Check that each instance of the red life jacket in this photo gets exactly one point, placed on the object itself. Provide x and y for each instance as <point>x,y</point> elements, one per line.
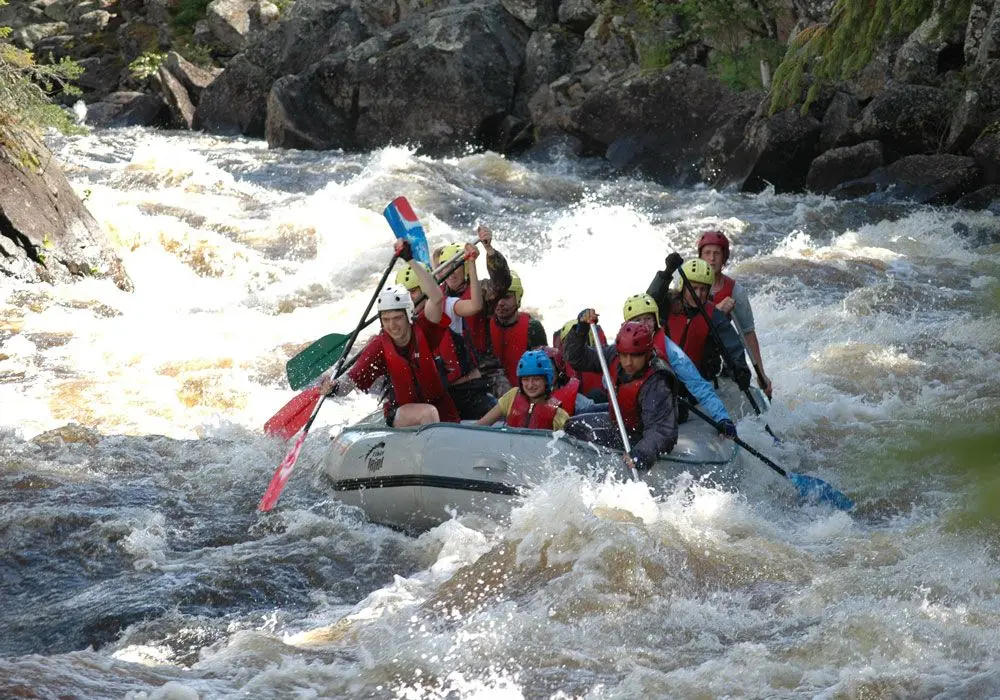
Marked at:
<point>660,344</point>
<point>588,380</point>
<point>509,343</point>
<point>567,395</point>
<point>537,416</point>
<point>448,350</point>
<point>473,327</point>
<point>690,332</point>
<point>628,396</point>
<point>725,291</point>
<point>416,379</point>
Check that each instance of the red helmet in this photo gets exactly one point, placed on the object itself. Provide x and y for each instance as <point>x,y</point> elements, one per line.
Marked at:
<point>634,338</point>
<point>715,238</point>
<point>557,359</point>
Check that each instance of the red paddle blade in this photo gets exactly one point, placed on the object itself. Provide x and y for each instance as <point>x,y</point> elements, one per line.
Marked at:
<point>293,415</point>
<point>280,477</point>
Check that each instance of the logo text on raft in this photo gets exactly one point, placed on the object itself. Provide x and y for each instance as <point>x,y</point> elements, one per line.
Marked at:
<point>375,457</point>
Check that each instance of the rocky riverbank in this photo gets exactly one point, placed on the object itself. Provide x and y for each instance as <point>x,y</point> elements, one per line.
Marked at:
<point>920,120</point>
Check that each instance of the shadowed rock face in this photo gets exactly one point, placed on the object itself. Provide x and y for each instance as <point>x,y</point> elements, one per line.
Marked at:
<point>433,81</point>
<point>46,233</point>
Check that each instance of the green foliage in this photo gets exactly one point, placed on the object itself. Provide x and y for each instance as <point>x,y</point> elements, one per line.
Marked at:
<point>839,49</point>
<point>186,14</point>
<point>740,70</point>
<point>146,65</point>
<point>198,54</point>
<point>25,89</point>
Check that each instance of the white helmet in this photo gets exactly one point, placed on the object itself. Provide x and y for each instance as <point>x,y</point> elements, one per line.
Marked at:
<point>395,297</point>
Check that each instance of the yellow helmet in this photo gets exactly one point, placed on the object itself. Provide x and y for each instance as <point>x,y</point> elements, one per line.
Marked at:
<point>698,271</point>
<point>407,277</point>
<point>567,327</point>
<point>515,286</point>
<point>451,250</point>
<point>639,304</point>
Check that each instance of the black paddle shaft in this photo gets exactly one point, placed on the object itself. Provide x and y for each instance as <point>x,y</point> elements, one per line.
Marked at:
<point>701,414</point>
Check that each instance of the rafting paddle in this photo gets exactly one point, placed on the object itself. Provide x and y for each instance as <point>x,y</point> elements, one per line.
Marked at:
<point>300,370</point>
<point>810,488</point>
<point>405,225</point>
<point>674,259</point>
<point>599,346</point>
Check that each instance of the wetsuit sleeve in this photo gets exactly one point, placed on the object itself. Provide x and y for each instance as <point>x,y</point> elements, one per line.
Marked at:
<point>580,356</point>
<point>696,385</point>
<point>658,289</point>
<point>536,334</point>
<point>731,341</point>
<point>496,285</point>
<point>370,365</point>
<point>742,311</point>
<point>659,422</point>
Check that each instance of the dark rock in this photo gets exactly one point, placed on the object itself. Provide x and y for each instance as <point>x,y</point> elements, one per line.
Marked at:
<point>177,99</point>
<point>841,164</point>
<point>101,75</point>
<point>237,100</point>
<point>548,55</point>
<point>986,151</point>
<point>121,109</point>
<point>836,129</point>
<point>926,179</point>
<point>193,78</point>
<point>982,34</point>
<point>729,135</point>
<point>46,233</point>
<point>775,150</point>
<point>966,122</point>
<point>534,13</point>
<point>984,198</point>
<point>435,80</point>
<point>907,119</point>
<point>873,79</point>
<point>578,15</point>
<point>657,123</point>
<point>926,54</point>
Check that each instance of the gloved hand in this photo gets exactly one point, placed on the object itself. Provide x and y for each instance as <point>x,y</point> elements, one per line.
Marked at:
<point>728,428</point>
<point>673,261</point>
<point>587,316</point>
<point>742,377</point>
<point>633,460</point>
<point>403,250</point>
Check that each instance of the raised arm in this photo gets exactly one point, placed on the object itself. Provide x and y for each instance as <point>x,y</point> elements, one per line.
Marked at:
<point>433,307</point>
<point>474,304</point>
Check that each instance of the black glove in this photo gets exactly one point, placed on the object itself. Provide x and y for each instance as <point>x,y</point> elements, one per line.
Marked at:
<point>404,251</point>
<point>742,377</point>
<point>673,261</point>
<point>640,465</point>
<point>727,428</point>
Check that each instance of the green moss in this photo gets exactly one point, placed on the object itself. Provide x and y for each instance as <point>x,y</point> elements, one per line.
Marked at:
<point>841,48</point>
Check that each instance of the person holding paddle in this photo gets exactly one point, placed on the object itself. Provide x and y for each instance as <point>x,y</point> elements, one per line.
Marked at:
<point>404,351</point>
<point>644,386</point>
<point>731,298</point>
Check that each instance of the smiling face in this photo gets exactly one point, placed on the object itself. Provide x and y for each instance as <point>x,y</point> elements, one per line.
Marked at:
<point>714,256</point>
<point>534,387</point>
<point>396,325</point>
<point>633,363</point>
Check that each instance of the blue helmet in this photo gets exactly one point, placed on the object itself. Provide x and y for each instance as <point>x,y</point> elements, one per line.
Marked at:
<point>536,363</point>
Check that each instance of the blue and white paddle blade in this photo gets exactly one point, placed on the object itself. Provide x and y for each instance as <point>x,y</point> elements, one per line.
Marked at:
<point>405,225</point>
<point>818,491</point>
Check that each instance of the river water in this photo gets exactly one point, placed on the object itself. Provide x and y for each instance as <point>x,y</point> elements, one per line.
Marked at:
<point>132,457</point>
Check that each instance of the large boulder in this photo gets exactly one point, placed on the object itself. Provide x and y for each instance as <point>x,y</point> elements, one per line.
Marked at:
<point>534,13</point>
<point>837,165</point>
<point>837,126</point>
<point>776,150</point>
<point>657,123</point>
<point>547,56</point>
<point>120,109</point>
<point>236,102</point>
<point>437,80</point>
<point>926,179</point>
<point>46,233</point>
<point>907,119</point>
<point>986,151</point>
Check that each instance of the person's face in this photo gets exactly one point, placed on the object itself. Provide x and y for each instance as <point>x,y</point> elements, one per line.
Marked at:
<point>632,363</point>
<point>713,255</point>
<point>415,294</point>
<point>456,279</point>
<point>648,320</point>
<point>534,387</point>
<point>701,290</point>
<point>396,324</point>
<point>507,306</point>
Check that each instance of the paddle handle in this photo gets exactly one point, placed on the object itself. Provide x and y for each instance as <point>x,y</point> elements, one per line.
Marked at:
<point>611,395</point>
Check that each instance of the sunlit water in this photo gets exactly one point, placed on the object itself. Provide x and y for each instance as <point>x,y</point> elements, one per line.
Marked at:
<point>134,564</point>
